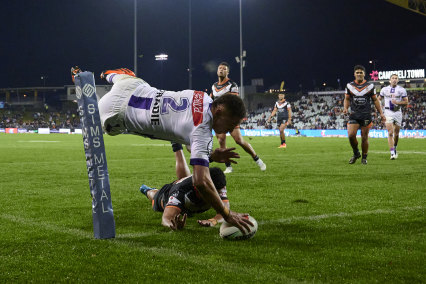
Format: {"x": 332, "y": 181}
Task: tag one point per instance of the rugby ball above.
{"x": 230, "y": 232}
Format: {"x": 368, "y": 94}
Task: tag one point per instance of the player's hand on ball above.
{"x": 226, "y": 155}
{"x": 208, "y": 223}
{"x": 239, "y": 220}
{"x": 178, "y": 223}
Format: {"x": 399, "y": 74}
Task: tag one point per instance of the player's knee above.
{"x": 240, "y": 141}
{"x": 352, "y": 135}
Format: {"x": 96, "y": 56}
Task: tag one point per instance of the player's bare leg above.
{"x": 364, "y": 143}
{"x": 352, "y": 129}
{"x": 282, "y": 135}
{"x": 150, "y": 194}
{"x": 391, "y": 143}
{"x": 236, "y": 134}
{"x": 396, "y": 138}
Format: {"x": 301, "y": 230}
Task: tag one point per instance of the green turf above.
{"x": 320, "y": 219}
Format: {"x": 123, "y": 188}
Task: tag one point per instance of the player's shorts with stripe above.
{"x": 362, "y": 120}
{"x": 394, "y": 117}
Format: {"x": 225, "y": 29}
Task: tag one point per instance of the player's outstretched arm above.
{"x": 172, "y": 218}
{"x": 182, "y": 169}
{"x": 202, "y": 181}
{"x": 224, "y": 155}
{"x": 216, "y": 219}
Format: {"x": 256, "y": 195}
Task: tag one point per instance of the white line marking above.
{"x": 399, "y": 152}
{"x": 158, "y": 145}
{"x": 37, "y": 141}
{"x": 337, "y": 215}
{"x": 196, "y": 259}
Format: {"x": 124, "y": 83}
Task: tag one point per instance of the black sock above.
{"x": 356, "y": 152}
{"x": 176, "y": 147}
{"x": 364, "y": 156}
{"x": 282, "y": 141}
{"x": 255, "y": 158}
{"x": 227, "y": 164}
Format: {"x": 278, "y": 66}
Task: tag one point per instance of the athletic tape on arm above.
{"x": 97, "y": 170}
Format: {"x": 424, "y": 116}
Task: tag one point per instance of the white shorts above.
{"x": 113, "y": 105}
{"x": 394, "y": 117}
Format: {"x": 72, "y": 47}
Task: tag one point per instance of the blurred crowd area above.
{"x": 308, "y": 112}
{"x": 325, "y": 112}
{"x": 19, "y": 118}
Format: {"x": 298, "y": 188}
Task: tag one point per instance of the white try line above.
{"x": 337, "y": 215}
{"x": 57, "y": 228}
{"x": 399, "y": 152}
{"x": 37, "y": 141}
{"x": 155, "y": 145}
{"x": 125, "y": 241}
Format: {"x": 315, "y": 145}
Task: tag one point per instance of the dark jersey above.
{"x": 282, "y": 110}
{"x": 360, "y": 97}
{"x": 227, "y": 86}
{"x": 183, "y": 195}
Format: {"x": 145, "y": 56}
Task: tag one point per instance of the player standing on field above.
{"x": 358, "y": 95}
{"x": 283, "y": 110}
{"x": 222, "y": 86}
{"x": 395, "y": 97}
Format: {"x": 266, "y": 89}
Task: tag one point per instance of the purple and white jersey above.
{"x": 183, "y": 117}
{"x": 389, "y": 93}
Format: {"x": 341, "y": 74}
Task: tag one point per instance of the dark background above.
{"x": 300, "y": 41}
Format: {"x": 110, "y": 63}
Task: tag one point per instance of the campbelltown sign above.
{"x": 402, "y": 74}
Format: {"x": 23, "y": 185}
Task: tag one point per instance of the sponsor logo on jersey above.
{"x": 155, "y": 113}
{"x": 223, "y": 193}
{"x": 173, "y": 201}
{"x": 197, "y": 108}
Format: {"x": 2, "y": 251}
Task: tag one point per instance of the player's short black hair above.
{"x": 218, "y": 178}
{"x": 233, "y": 103}
{"x": 225, "y": 64}
{"x": 359, "y": 67}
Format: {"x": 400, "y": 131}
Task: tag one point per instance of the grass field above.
{"x": 320, "y": 219}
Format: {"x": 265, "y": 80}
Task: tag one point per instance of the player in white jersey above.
{"x": 283, "y": 110}
{"x": 187, "y": 117}
{"x": 394, "y": 98}
{"x": 224, "y": 85}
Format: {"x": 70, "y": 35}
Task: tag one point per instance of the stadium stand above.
{"x": 325, "y": 112}
{"x": 309, "y": 112}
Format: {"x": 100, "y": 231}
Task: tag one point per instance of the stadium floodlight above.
{"x": 374, "y": 61}
{"x": 161, "y": 57}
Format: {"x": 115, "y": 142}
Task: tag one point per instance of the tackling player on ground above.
{"x": 224, "y": 85}
{"x": 283, "y": 110}
{"x": 185, "y": 117}
{"x": 395, "y": 97}
{"x": 358, "y": 95}
{"x": 180, "y": 199}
